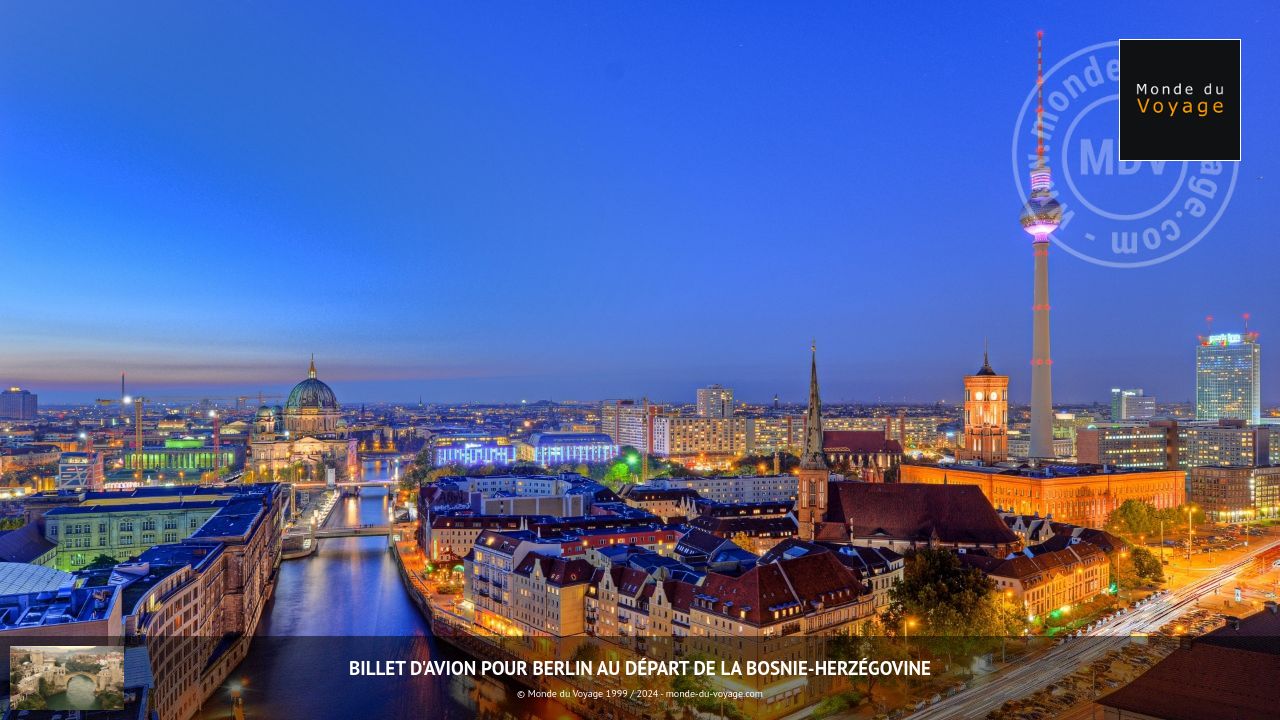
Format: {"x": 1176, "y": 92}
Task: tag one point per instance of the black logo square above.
{"x": 1179, "y": 100}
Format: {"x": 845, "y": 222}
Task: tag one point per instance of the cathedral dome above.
{"x": 266, "y": 413}
{"x": 311, "y": 394}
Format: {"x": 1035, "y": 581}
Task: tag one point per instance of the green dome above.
{"x": 311, "y": 394}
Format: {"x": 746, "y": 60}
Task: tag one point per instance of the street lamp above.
{"x": 1190, "y": 532}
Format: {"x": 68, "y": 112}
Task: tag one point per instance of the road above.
{"x": 1035, "y": 672}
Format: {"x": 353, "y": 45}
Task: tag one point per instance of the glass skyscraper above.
{"x": 1228, "y": 378}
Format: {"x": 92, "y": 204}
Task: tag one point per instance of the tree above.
{"x": 1146, "y": 565}
{"x": 746, "y": 542}
{"x": 950, "y": 602}
{"x": 102, "y": 562}
{"x": 867, "y": 641}
{"x": 1134, "y": 517}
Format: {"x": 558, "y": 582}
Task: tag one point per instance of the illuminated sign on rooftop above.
{"x": 1226, "y": 339}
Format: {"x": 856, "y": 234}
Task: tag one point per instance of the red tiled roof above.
{"x": 1204, "y": 682}
{"x": 557, "y": 570}
{"x": 795, "y": 582}
{"x": 679, "y": 594}
{"x": 1027, "y": 569}
{"x": 858, "y": 441}
{"x": 917, "y": 512}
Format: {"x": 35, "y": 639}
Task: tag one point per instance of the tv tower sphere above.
{"x": 1041, "y": 215}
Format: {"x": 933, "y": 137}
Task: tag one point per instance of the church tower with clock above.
{"x": 986, "y": 416}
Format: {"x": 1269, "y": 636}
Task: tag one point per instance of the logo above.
{"x": 1115, "y": 213}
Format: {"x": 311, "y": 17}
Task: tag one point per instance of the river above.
{"x": 346, "y": 602}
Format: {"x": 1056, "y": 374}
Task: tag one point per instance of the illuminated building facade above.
{"x": 548, "y": 595}
{"x": 1228, "y": 377}
{"x": 196, "y": 604}
{"x": 80, "y": 471}
{"x": 1072, "y": 493}
{"x": 986, "y": 416}
{"x": 775, "y": 434}
{"x": 866, "y": 455}
{"x": 558, "y": 448}
{"x": 1132, "y": 404}
{"x": 1128, "y": 445}
{"x": 688, "y": 437}
{"x": 715, "y": 402}
{"x": 18, "y": 404}
{"x": 190, "y": 456}
{"x": 306, "y": 433}
{"x": 630, "y": 423}
{"x": 312, "y": 409}
{"x": 1226, "y": 442}
{"x": 1046, "y": 582}
{"x": 1234, "y": 493}
{"x": 472, "y": 450}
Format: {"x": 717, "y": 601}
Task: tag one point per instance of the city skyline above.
{"x": 410, "y": 230}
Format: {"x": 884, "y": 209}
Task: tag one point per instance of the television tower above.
{"x": 1040, "y": 217}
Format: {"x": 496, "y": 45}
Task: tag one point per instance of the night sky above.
{"x": 475, "y": 201}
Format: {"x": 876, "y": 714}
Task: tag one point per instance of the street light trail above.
{"x": 1034, "y": 673}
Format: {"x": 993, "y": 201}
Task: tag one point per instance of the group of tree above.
{"x": 951, "y": 605}
{"x": 92, "y": 668}
{"x": 763, "y": 464}
{"x": 1134, "y": 518}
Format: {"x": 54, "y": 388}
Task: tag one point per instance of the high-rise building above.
{"x": 630, "y": 423}
{"x": 715, "y": 402}
{"x": 1226, "y": 442}
{"x": 1040, "y": 217}
{"x": 986, "y": 415}
{"x": 1128, "y": 445}
{"x": 1131, "y": 404}
{"x": 1228, "y": 374}
{"x": 1234, "y": 493}
{"x": 17, "y": 404}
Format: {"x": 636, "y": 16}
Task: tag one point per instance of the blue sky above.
{"x": 503, "y": 201}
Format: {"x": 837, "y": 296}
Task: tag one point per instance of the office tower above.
{"x": 1131, "y": 404}
{"x": 1228, "y": 375}
{"x": 17, "y": 404}
{"x": 1128, "y": 445}
{"x": 715, "y": 402}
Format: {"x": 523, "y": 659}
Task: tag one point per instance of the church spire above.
{"x": 311, "y": 373}
{"x": 813, "y": 458}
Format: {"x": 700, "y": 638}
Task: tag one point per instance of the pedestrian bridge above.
{"x": 345, "y": 531}
{"x": 343, "y": 484}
